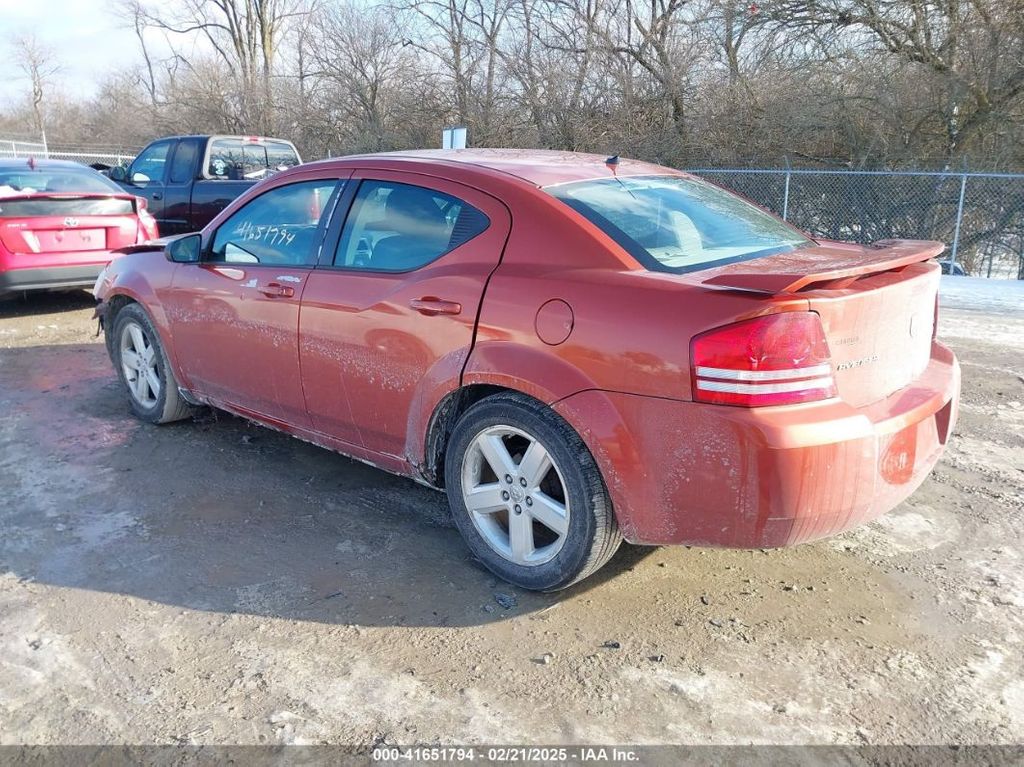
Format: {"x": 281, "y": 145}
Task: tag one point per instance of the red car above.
{"x": 59, "y": 223}
{"x": 579, "y": 351}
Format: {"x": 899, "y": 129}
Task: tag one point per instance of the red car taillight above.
{"x": 778, "y": 359}
{"x": 147, "y": 224}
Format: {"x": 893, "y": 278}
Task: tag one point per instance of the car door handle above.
{"x": 275, "y": 289}
{"x": 429, "y": 305}
{"x": 157, "y": 196}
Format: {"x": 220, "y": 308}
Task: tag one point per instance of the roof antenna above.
{"x": 613, "y": 165}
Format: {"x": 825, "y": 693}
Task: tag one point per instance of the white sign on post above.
{"x": 453, "y": 138}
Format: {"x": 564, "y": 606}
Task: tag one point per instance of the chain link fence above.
{"x": 980, "y": 216}
{"x": 109, "y": 156}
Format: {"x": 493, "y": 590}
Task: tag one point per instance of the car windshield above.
{"x": 63, "y": 180}
{"x": 678, "y": 224}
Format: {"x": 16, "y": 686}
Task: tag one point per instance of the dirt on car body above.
{"x": 216, "y": 582}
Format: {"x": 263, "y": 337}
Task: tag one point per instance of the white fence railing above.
{"x": 14, "y": 148}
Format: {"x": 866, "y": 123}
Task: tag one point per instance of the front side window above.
{"x": 280, "y": 227}
{"x": 677, "y": 224}
{"x": 152, "y": 163}
{"x": 396, "y": 227}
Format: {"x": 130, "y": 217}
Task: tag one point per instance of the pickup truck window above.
{"x": 281, "y": 155}
{"x": 184, "y": 163}
{"x": 152, "y": 163}
{"x": 280, "y": 227}
{"x": 238, "y": 159}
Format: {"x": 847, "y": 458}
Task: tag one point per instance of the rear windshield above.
{"x": 60, "y": 206}
{"x": 236, "y": 158}
{"x": 676, "y": 224}
{"x": 65, "y": 180}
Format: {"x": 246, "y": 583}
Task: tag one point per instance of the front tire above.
{"x": 142, "y": 366}
{"x": 527, "y": 495}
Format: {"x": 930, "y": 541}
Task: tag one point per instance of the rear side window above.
{"x": 184, "y": 163}
{"x": 280, "y": 227}
{"x": 678, "y": 224}
{"x": 236, "y": 158}
{"x": 396, "y": 227}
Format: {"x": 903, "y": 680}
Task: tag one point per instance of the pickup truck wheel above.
{"x": 143, "y": 368}
{"x": 527, "y": 495}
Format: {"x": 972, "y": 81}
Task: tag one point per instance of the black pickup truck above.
{"x": 188, "y": 180}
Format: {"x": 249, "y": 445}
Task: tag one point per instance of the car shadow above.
{"x": 28, "y": 304}
{"x": 221, "y": 515}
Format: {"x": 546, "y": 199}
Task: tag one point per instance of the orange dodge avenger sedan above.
{"x": 579, "y": 350}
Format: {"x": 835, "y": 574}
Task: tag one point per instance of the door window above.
{"x": 153, "y": 161}
{"x": 280, "y": 227}
{"x": 400, "y": 227}
{"x": 183, "y": 166}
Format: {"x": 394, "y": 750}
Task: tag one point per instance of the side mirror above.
{"x": 117, "y": 173}
{"x": 185, "y": 250}
{"x": 140, "y": 179}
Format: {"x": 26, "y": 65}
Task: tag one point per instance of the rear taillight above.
{"x": 147, "y": 224}
{"x": 778, "y": 359}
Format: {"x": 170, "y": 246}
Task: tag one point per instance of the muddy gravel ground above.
{"x": 216, "y": 582}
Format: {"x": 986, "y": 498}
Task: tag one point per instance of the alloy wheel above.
{"x": 515, "y": 495}
{"x": 138, "y": 362}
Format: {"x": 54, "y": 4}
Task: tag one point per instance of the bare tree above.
{"x": 363, "y": 61}
{"x": 848, "y": 83}
{"x": 244, "y": 34}
{"x": 973, "y": 49}
{"x": 38, "y": 64}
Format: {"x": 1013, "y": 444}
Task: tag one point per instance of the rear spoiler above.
{"x": 799, "y": 269}
{"x": 66, "y": 196}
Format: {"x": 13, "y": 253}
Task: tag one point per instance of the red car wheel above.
{"x": 527, "y": 495}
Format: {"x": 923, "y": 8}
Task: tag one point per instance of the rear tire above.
{"x": 142, "y": 366}
{"x": 527, "y": 495}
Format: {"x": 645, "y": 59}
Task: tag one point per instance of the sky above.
{"x": 86, "y": 35}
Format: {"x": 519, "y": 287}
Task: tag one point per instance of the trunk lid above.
{"x": 876, "y": 302}
{"x": 65, "y": 223}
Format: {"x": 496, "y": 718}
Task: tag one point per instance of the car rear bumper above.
{"x": 50, "y": 277}
{"x": 683, "y": 472}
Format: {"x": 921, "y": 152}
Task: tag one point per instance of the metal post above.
{"x": 785, "y": 194}
{"x": 959, "y": 219}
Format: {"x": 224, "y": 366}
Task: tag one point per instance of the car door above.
{"x": 177, "y": 204}
{"x": 148, "y": 173}
{"x": 234, "y": 315}
{"x": 389, "y": 314}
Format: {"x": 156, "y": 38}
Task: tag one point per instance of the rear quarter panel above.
{"x": 629, "y": 329}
